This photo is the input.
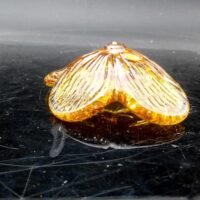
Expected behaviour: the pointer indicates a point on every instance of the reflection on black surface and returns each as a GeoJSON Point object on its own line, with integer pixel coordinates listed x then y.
{"type": "Point", "coordinates": [106, 130]}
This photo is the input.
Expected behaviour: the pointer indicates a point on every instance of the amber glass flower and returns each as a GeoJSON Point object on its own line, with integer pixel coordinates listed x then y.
{"type": "Point", "coordinates": [116, 73]}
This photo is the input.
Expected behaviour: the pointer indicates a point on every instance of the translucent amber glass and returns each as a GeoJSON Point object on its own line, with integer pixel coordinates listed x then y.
{"type": "Point", "coordinates": [116, 73]}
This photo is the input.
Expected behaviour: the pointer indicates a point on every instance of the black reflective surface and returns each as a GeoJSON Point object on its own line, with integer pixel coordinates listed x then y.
{"type": "Point", "coordinates": [38, 159]}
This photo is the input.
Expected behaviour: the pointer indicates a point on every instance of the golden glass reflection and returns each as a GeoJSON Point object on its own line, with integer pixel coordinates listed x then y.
{"type": "Point", "coordinates": [106, 130]}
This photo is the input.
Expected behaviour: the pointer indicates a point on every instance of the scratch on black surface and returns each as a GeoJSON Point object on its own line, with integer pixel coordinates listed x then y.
{"type": "Point", "coordinates": [7, 147]}
{"type": "Point", "coordinates": [9, 189]}
{"type": "Point", "coordinates": [27, 182]}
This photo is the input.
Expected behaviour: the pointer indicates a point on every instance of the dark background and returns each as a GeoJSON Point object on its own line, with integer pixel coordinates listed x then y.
{"type": "Point", "coordinates": [38, 160]}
